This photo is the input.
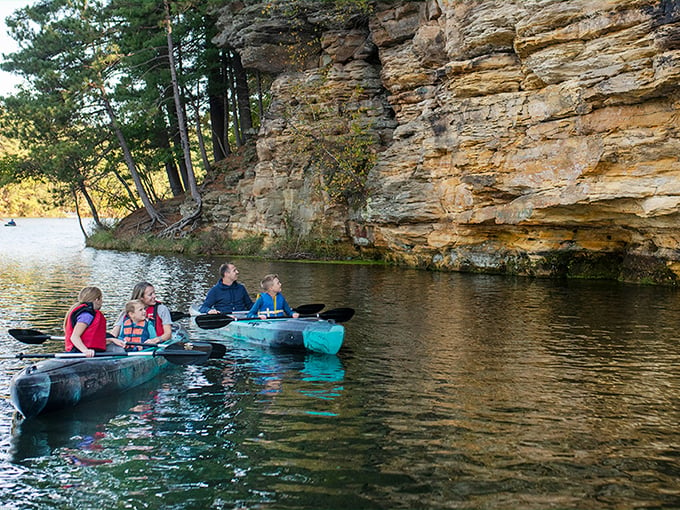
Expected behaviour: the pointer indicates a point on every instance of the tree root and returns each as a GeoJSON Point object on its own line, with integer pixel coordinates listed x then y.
{"type": "Point", "coordinates": [176, 230]}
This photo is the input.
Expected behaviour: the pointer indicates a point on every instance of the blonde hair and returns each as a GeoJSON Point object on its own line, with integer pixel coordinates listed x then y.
{"type": "Point", "coordinates": [132, 304]}
{"type": "Point", "coordinates": [268, 281]}
{"type": "Point", "coordinates": [139, 290]}
{"type": "Point", "coordinates": [86, 295]}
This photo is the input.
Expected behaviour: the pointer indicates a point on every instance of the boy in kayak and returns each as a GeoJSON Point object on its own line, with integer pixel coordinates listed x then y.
{"type": "Point", "coordinates": [136, 328]}
{"type": "Point", "coordinates": [271, 302]}
{"type": "Point", "coordinates": [157, 313]}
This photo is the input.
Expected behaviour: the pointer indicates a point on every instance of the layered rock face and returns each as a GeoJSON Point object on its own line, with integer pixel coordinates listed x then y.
{"type": "Point", "coordinates": [528, 137]}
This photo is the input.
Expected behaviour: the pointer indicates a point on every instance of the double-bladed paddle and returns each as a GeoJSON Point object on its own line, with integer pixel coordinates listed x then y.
{"type": "Point", "coordinates": [219, 320]}
{"type": "Point", "coordinates": [178, 353]}
{"type": "Point", "coordinates": [34, 337]}
{"type": "Point", "coordinates": [309, 309]}
{"type": "Point", "coordinates": [178, 316]}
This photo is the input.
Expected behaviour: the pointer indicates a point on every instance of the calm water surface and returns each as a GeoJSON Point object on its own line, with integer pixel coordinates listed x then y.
{"type": "Point", "coordinates": [451, 391]}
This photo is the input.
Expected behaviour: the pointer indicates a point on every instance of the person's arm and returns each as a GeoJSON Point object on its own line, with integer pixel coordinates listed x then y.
{"type": "Point", "coordinates": [117, 329]}
{"type": "Point", "coordinates": [117, 332]}
{"type": "Point", "coordinates": [115, 336]}
{"type": "Point", "coordinates": [77, 341]}
{"type": "Point", "coordinates": [166, 319]}
{"type": "Point", "coordinates": [255, 308]}
{"type": "Point", "coordinates": [209, 301]}
{"type": "Point", "coordinates": [166, 335]}
{"type": "Point", "coordinates": [287, 309]}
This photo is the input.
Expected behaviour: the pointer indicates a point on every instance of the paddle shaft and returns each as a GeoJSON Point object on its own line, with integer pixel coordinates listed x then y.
{"type": "Point", "coordinates": [217, 321]}
{"type": "Point", "coordinates": [34, 337]}
{"type": "Point", "coordinates": [178, 353]}
{"type": "Point", "coordinates": [156, 352]}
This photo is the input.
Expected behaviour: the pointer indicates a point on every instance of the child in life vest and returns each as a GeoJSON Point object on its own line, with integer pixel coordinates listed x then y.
{"type": "Point", "coordinates": [136, 328]}
{"type": "Point", "coordinates": [271, 303]}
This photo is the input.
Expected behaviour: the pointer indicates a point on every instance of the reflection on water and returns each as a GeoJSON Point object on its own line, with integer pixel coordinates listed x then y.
{"type": "Point", "coordinates": [451, 391]}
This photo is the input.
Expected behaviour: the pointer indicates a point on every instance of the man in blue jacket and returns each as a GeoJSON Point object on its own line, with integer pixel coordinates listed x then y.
{"type": "Point", "coordinates": [227, 295]}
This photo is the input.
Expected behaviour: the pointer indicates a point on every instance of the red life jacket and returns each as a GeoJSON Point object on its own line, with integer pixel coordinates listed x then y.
{"type": "Point", "coordinates": [94, 336]}
{"type": "Point", "coordinates": [152, 315]}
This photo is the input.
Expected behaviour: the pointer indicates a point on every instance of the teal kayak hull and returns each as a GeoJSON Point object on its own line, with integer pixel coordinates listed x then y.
{"type": "Point", "coordinates": [60, 383]}
{"type": "Point", "coordinates": [312, 335]}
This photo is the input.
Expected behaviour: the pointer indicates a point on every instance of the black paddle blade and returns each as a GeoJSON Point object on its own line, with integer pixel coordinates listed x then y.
{"type": "Point", "coordinates": [218, 350]}
{"type": "Point", "coordinates": [309, 309]}
{"type": "Point", "coordinates": [213, 320]}
{"type": "Point", "coordinates": [29, 336]}
{"type": "Point", "coordinates": [338, 314]}
{"type": "Point", "coordinates": [214, 350]}
{"type": "Point", "coordinates": [186, 353]}
{"type": "Point", "coordinates": [177, 316]}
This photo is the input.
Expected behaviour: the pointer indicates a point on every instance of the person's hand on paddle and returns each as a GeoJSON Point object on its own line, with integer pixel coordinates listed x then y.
{"type": "Point", "coordinates": [116, 341]}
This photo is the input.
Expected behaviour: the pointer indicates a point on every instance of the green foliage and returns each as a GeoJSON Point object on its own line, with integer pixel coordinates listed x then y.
{"type": "Point", "coordinates": [345, 161]}
{"type": "Point", "coordinates": [334, 131]}
{"type": "Point", "coordinates": [75, 54]}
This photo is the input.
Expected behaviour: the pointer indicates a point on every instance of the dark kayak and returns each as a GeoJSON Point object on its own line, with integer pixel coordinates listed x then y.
{"type": "Point", "coordinates": [60, 383]}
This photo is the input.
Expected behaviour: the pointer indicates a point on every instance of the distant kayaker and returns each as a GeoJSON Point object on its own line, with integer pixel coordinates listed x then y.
{"type": "Point", "coordinates": [85, 325]}
{"type": "Point", "coordinates": [271, 302]}
{"type": "Point", "coordinates": [136, 328]}
{"type": "Point", "coordinates": [156, 312]}
{"type": "Point", "coordinates": [11, 223]}
{"type": "Point", "coordinates": [227, 295]}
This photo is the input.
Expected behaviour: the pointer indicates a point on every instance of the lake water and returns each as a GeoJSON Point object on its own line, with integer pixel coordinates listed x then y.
{"type": "Point", "coordinates": [451, 391]}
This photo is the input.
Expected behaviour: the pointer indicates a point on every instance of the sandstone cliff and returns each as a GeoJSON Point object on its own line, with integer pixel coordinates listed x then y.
{"type": "Point", "coordinates": [529, 137]}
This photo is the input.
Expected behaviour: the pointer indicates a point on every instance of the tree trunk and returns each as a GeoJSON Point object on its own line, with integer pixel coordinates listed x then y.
{"type": "Point", "coordinates": [260, 102]}
{"type": "Point", "coordinates": [199, 136]}
{"type": "Point", "coordinates": [231, 98]}
{"type": "Point", "coordinates": [242, 97]}
{"type": "Point", "coordinates": [219, 129]}
{"type": "Point", "coordinates": [162, 141]}
{"type": "Point", "coordinates": [129, 161]}
{"type": "Point", "coordinates": [130, 194]}
{"type": "Point", "coordinates": [184, 136]}
{"type": "Point", "coordinates": [80, 219]}
{"type": "Point", "coordinates": [90, 203]}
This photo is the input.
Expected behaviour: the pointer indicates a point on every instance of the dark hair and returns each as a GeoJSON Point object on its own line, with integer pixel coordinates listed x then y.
{"type": "Point", "coordinates": [224, 268]}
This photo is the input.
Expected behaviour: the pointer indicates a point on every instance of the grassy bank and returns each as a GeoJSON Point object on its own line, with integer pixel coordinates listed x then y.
{"type": "Point", "coordinates": [215, 244]}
